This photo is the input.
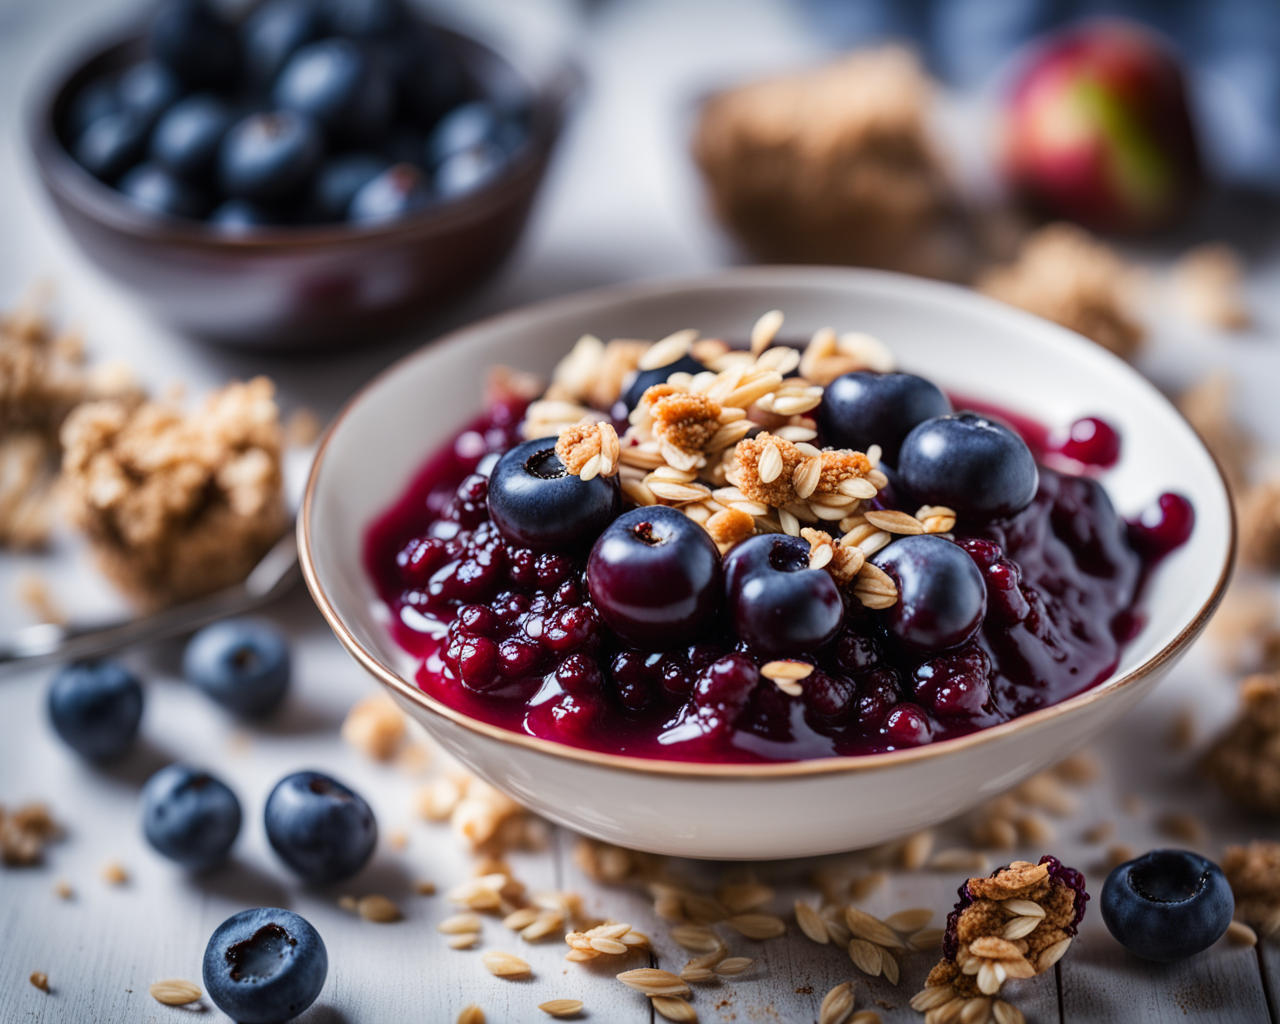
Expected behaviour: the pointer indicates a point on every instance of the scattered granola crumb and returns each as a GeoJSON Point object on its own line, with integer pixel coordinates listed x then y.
{"type": "Point", "coordinates": [113, 873]}
{"type": "Point", "coordinates": [1244, 629]}
{"type": "Point", "coordinates": [471, 1014]}
{"type": "Point", "coordinates": [174, 992]}
{"type": "Point", "coordinates": [1209, 407]}
{"type": "Point", "coordinates": [1259, 516]}
{"type": "Point", "coordinates": [1240, 934]}
{"type": "Point", "coordinates": [40, 980]}
{"type": "Point", "coordinates": [376, 726]}
{"type": "Point", "coordinates": [302, 428]}
{"type": "Point", "coordinates": [378, 909]}
{"type": "Point", "coordinates": [1119, 854]}
{"type": "Point", "coordinates": [62, 889]}
{"type": "Point", "coordinates": [1066, 275]}
{"type": "Point", "coordinates": [33, 591]}
{"type": "Point", "coordinates": [24, 832]}
{"type": "Point", "coordinates": [1207, 284]}
{"type": "Point", "coordinates": [1254, 874]}
{"type": "Point", "coordinates": [1100, 832]}
{"type": "Point", "coordinates": [1182, 730]}
{"type": "Point", "coordinates": [425, 888]}
{"type": "Point", "coordinates": [1245, 760]}
{"type": "Point", "coordinates": [1180, 825]}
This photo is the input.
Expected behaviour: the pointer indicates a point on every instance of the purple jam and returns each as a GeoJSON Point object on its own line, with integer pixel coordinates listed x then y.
{"type": "Point", "coordinates": [513, 638]}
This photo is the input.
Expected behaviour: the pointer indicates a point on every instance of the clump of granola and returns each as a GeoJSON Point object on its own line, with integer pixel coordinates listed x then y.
{"type": "Point", "coordinates": [1245, 761]}
{"type": "Point", "coordinates": [1259, 511]}
{"type": "Point", "coordinates": [589, 450]}
{"type": "Point", "coordinates": [1254, 874]}
{"type": "Point", "coordinates": [1207, 284]}
{"type": "Point", "coordinates": [24, 833]}
{"type": "Point", "coordinates": [833, 165]}
{"type": "Point", "coordinates": [1066, 275]}
{"type": "Point", "coordinates": [177, 505]}
{"type": "Point", "coordinates": [1015, 924]}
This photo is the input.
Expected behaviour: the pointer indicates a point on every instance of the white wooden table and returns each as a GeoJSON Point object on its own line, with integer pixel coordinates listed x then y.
{"type": "Point", "coordinates": [622, 202]}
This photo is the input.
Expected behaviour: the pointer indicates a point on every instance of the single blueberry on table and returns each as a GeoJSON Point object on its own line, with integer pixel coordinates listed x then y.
{"type": "Point", "coordinates": [336, 83]}
{"type": "Point", "coordinates": [273, 33]}
{"type": "Point", "coordinates": [192, 40]}
{"type": "Point", "coordinates": [149, 89]}
{"type": "Point", "coordinates": [1167, 904]}
{"type": "Point", "coordinates": [970, 463]}
{"type": "Point", "coordinates": [153, 188]}
{"type": "Point", "coordinates": [340, 178]}
{"type": "Point", "coordinates": [655, 577]}
{"type": "Point", "coordinates": [398, 190]}
{"type": "Point", "coordinates": [942, 596]}
{"type": "Point", "coordinates": [265, 966]}
{"type": "Point", "coordinates": [95, 707]}
{"type": "Point", "coordinates": [189, 816]}
{"type": "Point", "coordinates": [536, 503]}
{"type": "Point", "coordinates": [778, 605]}
{"type": "Point", "coordinates": [186, 139]}
{"type": "Point", "coordinates": [243, 664]}
{"type": "Point", "coordinates": [94, 100]}
{"type": "Point", "coordinates": [321, 829]}
{"type": "Point", "coordinates": [267, 156]}
{"type": "Point", "coordinates": [645, 379]}
{"type": "Point", "coordinates": [112, 144]}
{"type": "Point", "coordinates": [862, 408]}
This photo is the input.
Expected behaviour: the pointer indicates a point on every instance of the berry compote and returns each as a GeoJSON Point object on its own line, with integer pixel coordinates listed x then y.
{"type": "Point", "coordinates": [511, 635]}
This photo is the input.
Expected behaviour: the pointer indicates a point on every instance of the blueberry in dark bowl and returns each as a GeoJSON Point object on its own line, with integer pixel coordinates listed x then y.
{"type": "Point", "coordinates": [94, 100]}
{"type": "Point", "coordinates": [863, 408]}
{"type": "Point", "coordinates": [778, 605]}
{"type": "Point", "coordinates": [429, 78]}
{"type": "Point", "coordinates": [322, 830]}
{"type": "Point", "coordinates": [942, 597]}
{"type": "Point", "coordinates": [192, 40]}
{"type": "Point", "coordinates": [655, 577]}
{"type": "Point", "coordinates": [1167, 904]}
{"type": "Point", "coordinates": [397, 191]}
{"type": "Point", "coordinates": [189, 816]}
{"type": "Point", "coordinates": [273, 33]}
{"type": "Point", "coordinates": [468, 171]}
{"type": "Point", "coordinates": [265, 966]}
{"type": "Point", "coordinates": [266, 156]}
{"type": "Point", "coordinates": [95, 707]}
{"type": "Point", "coordinates": [238, 216]}
{"type": "Point", "coordinates": [645, 379]}
{"type": "Point", "coordinates": [242, 664]}
{"type": "Point", "coordinates": [339, 178]}
{"type": "Point", "coordinates": [365, 19]}
{"type": "Point", "coordinates": [153, 188]}
{"type": "Point", "coordinates": [149, 89]}
{"type": "Point", "coordinates": [970, 463]}
{"type": "Point", "coordinates": [536, 503]}
{"type": "Point", "coordinates": [337, 84]}
{"type": "Point", "coordinates": [186, 138]}
{"type": "Point", "coordinates": [112, 144]}
{"type": "Point", "coordinates": [462, 128]}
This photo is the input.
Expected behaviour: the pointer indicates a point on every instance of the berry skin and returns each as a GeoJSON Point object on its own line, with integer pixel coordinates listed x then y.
{"type": "Point", "coordinates": [266, 156]}
{"type": "Point", "coordinates": [189, 816]}
{"type": "Point", "coordinates": [970, 463]}
{"type": "Point", "coordinates": [190, 39]}
{"type": "Point", "coordinates": [237, 216]}
{"type": "Point", "coordinates": [322, 830]}
{"type": "Point", "coordinates": [536, 504]}
{"type": "Point", "coordinates": [186, 139]}
{"type": "Point", "coordinates": [722, 692]}
{"type": "Point", "coordinates": [862, 408]}
{"type": "Point", "coordinates": [340, 178]}
{"type": "Point", "coordinates": [1167, 904]}
{"type": "Point", "coordinates": [942, 597]}
{"type": "Point", "coordinates": [243, 664]}
{"type": "Point", "coordinates": [468, 170]}
{"type": "Point", "coordinates": [906, 725]}
{"type": "Point", "coordinates": [365, 19]}
{"type": "Point", "coordinates": [95, 707]}
{"type": "Point", "coordinates": [655, 577]}
{"type": "Point", "coordinates": [94, 100]}
{"type": "Point", "coordinates": [645, 379]}
{"type": "Point", "coordinates": [111, 144]}
{"type": "Point", "coordinates": [148, 89]}
{"type": "Point", "coordinates": [337, 84]}
{"type": "Point", "coordinates": [463, 128]}
{"type": "Point", "coordinates": [273, 33]}
{"type": "Point", "coordinates": [779, 605]}
{"type": "Point", "coordinates": [156, 190]}
{"type": "Point", "coordinates": [265, 966]}
{"type": "Point", "coordinates": [398, 190]}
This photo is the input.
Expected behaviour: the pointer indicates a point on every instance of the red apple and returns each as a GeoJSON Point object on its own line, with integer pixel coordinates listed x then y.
{"type": "Point", "coordinates": [1099, 130]}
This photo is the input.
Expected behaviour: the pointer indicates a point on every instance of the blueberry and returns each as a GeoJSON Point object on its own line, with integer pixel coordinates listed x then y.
{"type": "Point", "coordinates": [336, 83]}
{"type": "Point", "coordinates": [398, 190]}
{"type": "Point", "coordinates": [266, 156]}
{"type": "Point", "coordinates": [655, 577]}
{"type": "Point", "coordinates": [536, 504]}
{"type": "Point", "coordinates": [321, 829]}
{"type": "Point", "coordinates": [96, 707]}
{"type": "Point", "coordinates": [149, 89]}
{"type": "Point", "coordinates": [941, 594]}
{"type": "Point", "coordinates": [861, 409]}
{"type": "Point", "coordinates": [243, 664]}
{"type": "Point", "coordinates": [94, 100]}
{"type": "Point", "coordinates": [461, 129]}
{"type": "Point", "coordinates": [365, 19]}
{"type": "Point", "coordinates": [112, 144]}
{"type": "Point", "coordinates": [189, 816]}
{"type": "Point", "coordinates": [340, 178]}
{"type": "Point", "coordinates": [153, 188]}
{"type": "Point", "coordinates": [237, 216]}
{"type": "Point", "coordinates": [274, 32]}
{"type": "Point", "coordinates": [265, 966]}
{"type": "Point", "coordinates": [186, 139]}
{"type": "Point", "coordinates": [195, 43]}
{"type": "Point", "coordinates": [969, 463]}
{"type": "Point", "coordinates": [429, 78]}
{"type": "Point", "coordinates": [778, 604]}
{"type": "Point", "coordinates": [1167, 904]}
{"type": "Point", "coordinates": [646, 379]}
{"type": "Point", "coordinates": [469, 170]}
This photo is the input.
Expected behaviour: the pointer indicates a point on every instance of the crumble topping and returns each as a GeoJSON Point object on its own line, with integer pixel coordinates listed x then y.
{"type": "Point", "coordinates": [1208, 408]}
{"type": "Point", "coordinates": [24, 833]}
{"type": "Point", "coordinates": [590, 450]}
{"type": "Point", "coordinates": [1259, 511]}
{"type": "Point", "coordinates": [1254, 874]}
{"type": "Point", "coordinates": [764, 469]}
{"type": "Point", "coordinates": [1245, 761]}
{"type": "Point", "coordinates": [1208, 285]}
{"type": "Point", "coordinates": [683, 421]}
{"type": "Point", "coordinates": [1066, 275]}
{"type": "Point", "coordinates": [176, 505]}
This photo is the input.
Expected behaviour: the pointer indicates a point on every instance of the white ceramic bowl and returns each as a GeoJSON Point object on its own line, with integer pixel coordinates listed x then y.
{"type": "Point", "coordinates": [967, 343]}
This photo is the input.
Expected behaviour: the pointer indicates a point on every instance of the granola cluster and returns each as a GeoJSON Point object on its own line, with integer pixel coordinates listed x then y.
{"type": "Point", "coordinates": [1015, 924]}
{"type": "Point", "coordinates": [1245, 761]}
{"type": "Point", "coordinates": [177, 505]}
{"type": "Point", "coordinates": [24, 832]}
{"type": "Point", "coordinates": [1254, 874]}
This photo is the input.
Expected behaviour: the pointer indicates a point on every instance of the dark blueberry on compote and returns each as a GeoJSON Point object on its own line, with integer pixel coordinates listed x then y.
{"type": "Point", "coordinates": [1167, 905]}
{"type": "Point", "coordinates": [971, 463]}
{"type": "Point", "coordinates": [722, 691]}
{"type": "Point", "coordinates": [1093, 442]}
{"type": "Point", "coordinates": [941, 594]}
{"type": "Point", "coordinates": [856, 651]}
{"type": "Point", "coordinates": [863, 408]}
{"type": "Point", "coordinates": [645, 379]}
{"type": "Point", "coordinates": [831, 699]}
{"type": "Point", "coordinates": [655, 577]}
{"type": "Point", "coordinates": [538, 504]}
{"type": "Point", "coordinates": [956, 684]}
{"type": "Point", "coordinates": [778, 605]}
{"type": "Point", "coordinates": [878, 691]}
{"type": "Point", "coordinates": [906, 725]}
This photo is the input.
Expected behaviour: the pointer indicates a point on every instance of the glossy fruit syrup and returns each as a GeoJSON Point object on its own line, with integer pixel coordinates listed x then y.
{"type": "Point", "coordinates": [511, 636]}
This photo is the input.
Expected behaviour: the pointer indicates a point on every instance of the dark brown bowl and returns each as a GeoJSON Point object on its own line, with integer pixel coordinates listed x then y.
{"type": "Point", "coordinates": [296, 287]}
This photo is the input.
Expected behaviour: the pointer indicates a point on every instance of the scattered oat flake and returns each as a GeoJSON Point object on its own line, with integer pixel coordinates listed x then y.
{"type": "Point", "coordinates": [378, 909]}
{"type": "Point", "coordinates": [1181, 825]}
{"type": "Point", "coordinates": [1240, 934]}
{"type": "Point", "coordinates": [471, 1014]}
{"type": "Point", "coordinates": [63, 889]}
{"type": "Point", "coordinates": [1100, 832]}
{"type": "Point", "coordinates": [916, 850]}
{"type": "Point", "coordinates": [561, 1007]}
{"type": "Point", "coordinates": [425, 888]}
{"type": "Point", "coordinates": [929, 938]}
{"type": "Point", "coordinates": [865, 956]}
{"type": "Point", "coordinates": [40, 980]}
{"type": "Point", "coordinates": [651, 981]}
{"type": "Point", "coordinates": [505, 965]}
{"type": "Point", "coordinates": [837, 1005]}
{"type": "Point", "coordinates": [113, 873]}
{"type": "Point", "coordinates": [463, 940]}
{"type": "Point", "coordinates": [349, 903]}
{"type": "Point", "coordinates": [909, 920]}
{"type": "Point", "coordinates": [811, 923]}
{"type": "Point", "coordinates": [758, 926]}
{"type": "Point", "coordinates": [174, 992]}
{"type": "Point", "coordinates": [674, 1009]}
{"type": "Point", "coordinates": [734, 966]}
